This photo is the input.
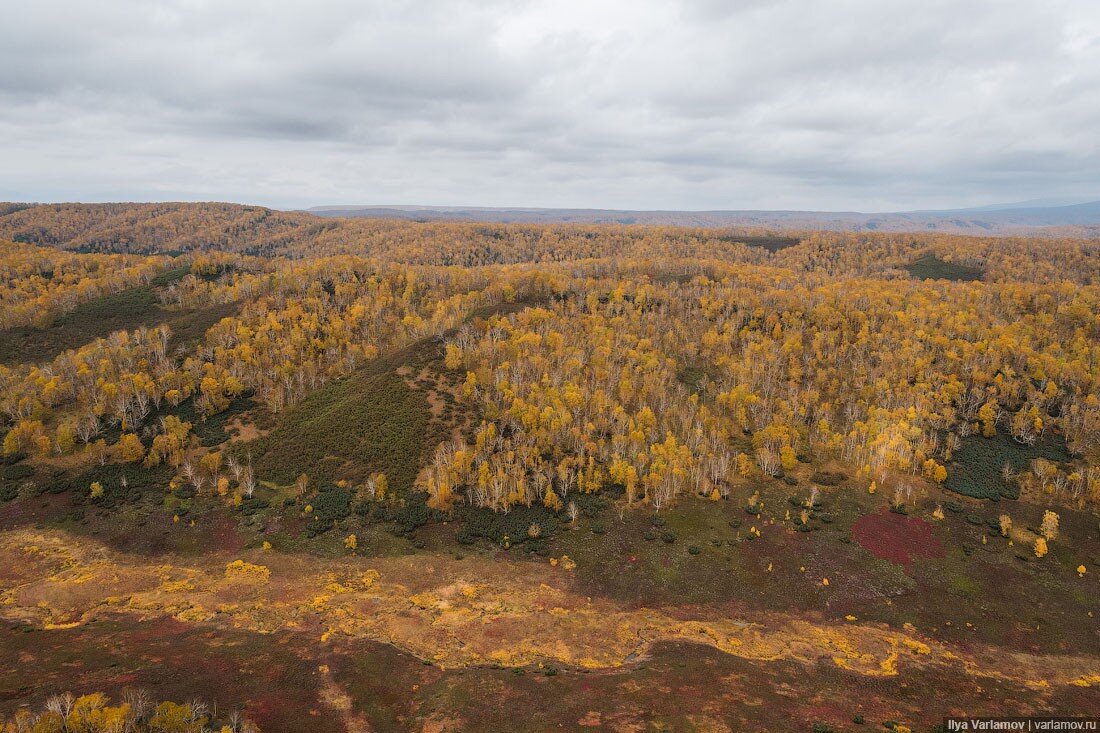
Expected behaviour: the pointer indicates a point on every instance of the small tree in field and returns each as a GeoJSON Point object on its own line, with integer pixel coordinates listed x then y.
{"type": "Point", "coordinates": [301, 485]}
{"type": "Point", "coordinates": [1049, 528]}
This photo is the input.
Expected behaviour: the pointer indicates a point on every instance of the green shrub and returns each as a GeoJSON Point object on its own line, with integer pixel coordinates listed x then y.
{"type": "Point", "coordinates": [330, 505]}
{"type": "Point", "coordinates": [16, 472]}
{"type": "Point", "coordinates": [931, 267]}
{"type": "Point", "coordinates": [590, 505]}
{"type": "Point", "coordinates": [977, 467]}
{"type": "Point", "coordinates": [249, 507]}
{"type": "Point", "coordinates": [412, 513]}
{"type": "Point", "coordinates": [121, 483]}
{"type": "Point", "coordinates": [495, 526]}
{"type": "Point", "coordinates": [348, 429]}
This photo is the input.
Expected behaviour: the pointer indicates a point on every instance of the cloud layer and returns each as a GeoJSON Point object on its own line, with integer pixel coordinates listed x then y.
{"type": "Point", "coordinates": [696, 104]}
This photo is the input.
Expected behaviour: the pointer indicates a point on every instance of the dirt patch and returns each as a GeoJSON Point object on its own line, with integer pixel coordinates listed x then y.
{"type": "Point", "coordinates": [449, 418]}
{"type": "Point", "coordinates": [896, 537]}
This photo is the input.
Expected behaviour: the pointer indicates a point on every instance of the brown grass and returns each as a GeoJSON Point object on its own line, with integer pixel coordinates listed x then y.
{"type": "Point", "coordinates": [454, 612]}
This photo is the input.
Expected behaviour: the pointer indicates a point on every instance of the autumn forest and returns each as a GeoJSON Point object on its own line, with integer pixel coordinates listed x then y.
{"type": "Point", "coordinates": [550, 459]}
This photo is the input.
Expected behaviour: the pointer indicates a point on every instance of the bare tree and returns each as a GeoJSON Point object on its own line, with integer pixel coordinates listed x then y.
{"type": "Point", "coordinates": [247, 481]}
{"type": "Point", "coordinates": [140, 702]}
{"type": "Point", "coordinates": [61, 704]}
{"type": "Point", "coordinates": [234, 467]}
{"type": "Point", "coordinates": [199, 709]}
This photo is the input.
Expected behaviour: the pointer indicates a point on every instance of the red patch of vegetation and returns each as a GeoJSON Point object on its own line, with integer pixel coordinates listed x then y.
{"type": "Point", "coordinates": [20, 513]}
{"type": "Point", "coordinates": [896, 537]}
{"type": "Point", "coordinates": [226, 536]}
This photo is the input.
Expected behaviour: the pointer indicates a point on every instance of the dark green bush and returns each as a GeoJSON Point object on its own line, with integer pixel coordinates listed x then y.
{"type": "Point", "coordinates": [494, 526]}
{"type": "Point", "coordinates": [330, 505]}
{"type": "Point", "coordinates": [977, 467]}
{"type": "Point", "coordinates": [590, 505]}
{"type": "Point", "coordinates": [931, 267]}
{"type": "Point", "coordinates": [412, 513]}
{"type": "Point", "coordinates": [249, 507]}
{"type": "Point", "coordinates": [16, 472]}
{"type": "Point", "coordinates": [138, 481]}
{"type": "Point", "coordinates": [349, 428]}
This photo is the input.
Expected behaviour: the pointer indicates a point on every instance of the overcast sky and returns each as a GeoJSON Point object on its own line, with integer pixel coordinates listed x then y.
{"type": "Point", "coordinates": [641, 104]}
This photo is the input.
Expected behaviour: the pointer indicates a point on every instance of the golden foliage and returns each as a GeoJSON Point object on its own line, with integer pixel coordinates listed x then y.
{"type": "Point", "coordinates": [241, 570]}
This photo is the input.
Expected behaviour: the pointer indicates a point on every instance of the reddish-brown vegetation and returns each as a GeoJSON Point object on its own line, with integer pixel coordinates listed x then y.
{"type": "Point", "coordinates": [895, 537]}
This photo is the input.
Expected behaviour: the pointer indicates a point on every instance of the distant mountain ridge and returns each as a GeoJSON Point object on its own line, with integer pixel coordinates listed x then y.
{"type": "Point", "coordinates": [1020, 217]}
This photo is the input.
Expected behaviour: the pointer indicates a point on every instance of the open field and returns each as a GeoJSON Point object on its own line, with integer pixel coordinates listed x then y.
{"type": "Point", "coordinates": [472, 616]}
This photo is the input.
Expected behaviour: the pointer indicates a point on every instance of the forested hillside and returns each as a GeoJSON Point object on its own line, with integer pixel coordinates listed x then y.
{"type": "Point", "coordinates": [669, 362]}
{"type": "Point", "coordinates": [673, 415]}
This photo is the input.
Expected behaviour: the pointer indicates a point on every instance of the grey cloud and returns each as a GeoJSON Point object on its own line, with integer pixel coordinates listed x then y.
{"type": "Point", "coordinates": [850, 104]}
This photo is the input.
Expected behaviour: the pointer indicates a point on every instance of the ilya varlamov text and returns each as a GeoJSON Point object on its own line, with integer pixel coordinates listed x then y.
{"type": "Point", "coordinates": [1022, 724]}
